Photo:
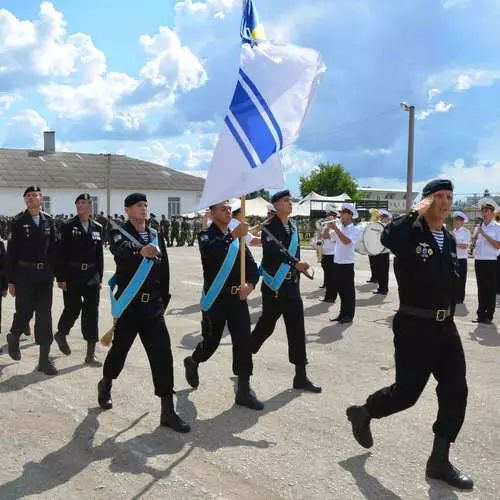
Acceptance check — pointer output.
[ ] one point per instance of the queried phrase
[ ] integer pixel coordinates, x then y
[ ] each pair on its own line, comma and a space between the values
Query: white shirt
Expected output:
344, 254
462, 237
484, 249
329, 244
234, 224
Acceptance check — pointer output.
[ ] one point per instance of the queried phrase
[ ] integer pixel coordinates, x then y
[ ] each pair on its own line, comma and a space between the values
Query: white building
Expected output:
394, 199
62, 176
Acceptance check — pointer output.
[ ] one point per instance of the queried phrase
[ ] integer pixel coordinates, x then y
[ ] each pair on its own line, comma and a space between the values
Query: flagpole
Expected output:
243, 269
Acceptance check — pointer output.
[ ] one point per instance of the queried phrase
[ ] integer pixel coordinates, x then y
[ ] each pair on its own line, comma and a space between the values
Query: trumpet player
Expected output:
329, 240
462, 237
487, 239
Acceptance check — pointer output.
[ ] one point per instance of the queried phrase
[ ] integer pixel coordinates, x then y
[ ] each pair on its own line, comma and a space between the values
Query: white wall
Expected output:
63, 200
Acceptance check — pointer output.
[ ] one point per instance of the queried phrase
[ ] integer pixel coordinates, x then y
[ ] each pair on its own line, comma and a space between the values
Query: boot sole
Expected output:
454, 485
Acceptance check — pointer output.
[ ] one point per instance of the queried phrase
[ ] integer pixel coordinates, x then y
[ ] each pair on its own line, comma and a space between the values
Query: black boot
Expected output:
13, 347
104, 393
44, 363
245, 396
62, 343
439, 466
90, 358
169, 418
360, 420
300, 381
191, 369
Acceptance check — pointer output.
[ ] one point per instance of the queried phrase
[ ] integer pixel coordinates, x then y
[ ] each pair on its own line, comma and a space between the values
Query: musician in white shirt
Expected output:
329, 239
347, 237
487, 238
462, 237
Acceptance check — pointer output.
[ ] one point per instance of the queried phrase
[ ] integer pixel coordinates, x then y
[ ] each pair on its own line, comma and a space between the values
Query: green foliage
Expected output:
263, 192
329, 179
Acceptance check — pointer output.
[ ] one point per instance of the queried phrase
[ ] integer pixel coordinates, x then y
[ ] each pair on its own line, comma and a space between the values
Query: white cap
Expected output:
271, 208
483, 202
330, 207
385, 213
351, 208
235, 205
461, 214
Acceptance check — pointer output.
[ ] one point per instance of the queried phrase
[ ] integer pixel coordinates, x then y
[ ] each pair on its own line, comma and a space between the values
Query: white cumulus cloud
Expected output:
26, 130
439, 107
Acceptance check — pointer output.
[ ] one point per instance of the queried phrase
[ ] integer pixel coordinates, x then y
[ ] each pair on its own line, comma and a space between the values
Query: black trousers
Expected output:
232, 311
498, 275
292, 310
373, 276
381, 270
34, 298
462, 279
424, 347
486, 277
329, 272
156, 341
84, 299
344, 280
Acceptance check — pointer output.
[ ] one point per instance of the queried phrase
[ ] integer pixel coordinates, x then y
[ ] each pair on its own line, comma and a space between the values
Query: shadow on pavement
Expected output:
486, 335
19, 382
375, 299
461, 310
369, 486
317, 309
176, 311
440, 491
328, 334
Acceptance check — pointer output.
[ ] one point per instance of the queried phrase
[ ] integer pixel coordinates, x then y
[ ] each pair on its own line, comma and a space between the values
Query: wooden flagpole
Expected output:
243, 269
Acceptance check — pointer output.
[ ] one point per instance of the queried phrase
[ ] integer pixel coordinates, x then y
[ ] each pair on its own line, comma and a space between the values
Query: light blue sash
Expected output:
209, 298
275, 282
119, 305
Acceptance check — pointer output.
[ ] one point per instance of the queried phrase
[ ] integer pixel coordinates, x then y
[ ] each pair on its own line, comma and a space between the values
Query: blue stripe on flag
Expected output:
253, 125
237, 137
264, 104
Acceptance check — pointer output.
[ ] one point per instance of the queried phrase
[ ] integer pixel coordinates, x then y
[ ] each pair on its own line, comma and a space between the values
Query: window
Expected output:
174, 207
95, 205
46, 204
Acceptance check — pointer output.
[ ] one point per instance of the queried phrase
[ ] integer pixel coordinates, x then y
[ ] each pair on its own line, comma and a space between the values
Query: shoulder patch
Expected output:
117, 237
98, 224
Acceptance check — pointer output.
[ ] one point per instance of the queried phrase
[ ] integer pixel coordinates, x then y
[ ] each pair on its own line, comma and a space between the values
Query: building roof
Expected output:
383, 190
21, 167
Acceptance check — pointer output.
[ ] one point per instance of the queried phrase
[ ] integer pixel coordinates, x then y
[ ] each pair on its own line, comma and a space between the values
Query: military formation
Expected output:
428, 266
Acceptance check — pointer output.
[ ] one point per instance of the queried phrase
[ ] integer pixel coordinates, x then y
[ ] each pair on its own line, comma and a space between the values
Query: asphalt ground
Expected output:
57, 444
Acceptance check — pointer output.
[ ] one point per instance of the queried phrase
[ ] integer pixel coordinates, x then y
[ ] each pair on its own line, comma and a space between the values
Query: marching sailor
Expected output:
31, 255
143, 280
426, 339
487, 239
224, 301
79, 275
280, 269
462, 237
381, 261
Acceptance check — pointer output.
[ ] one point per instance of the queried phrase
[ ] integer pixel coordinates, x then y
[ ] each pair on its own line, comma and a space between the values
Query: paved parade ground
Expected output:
57, 444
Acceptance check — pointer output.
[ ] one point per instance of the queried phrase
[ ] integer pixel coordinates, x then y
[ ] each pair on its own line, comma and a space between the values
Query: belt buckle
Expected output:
40, 266
145, 298
441, 315
235, 290
84, 267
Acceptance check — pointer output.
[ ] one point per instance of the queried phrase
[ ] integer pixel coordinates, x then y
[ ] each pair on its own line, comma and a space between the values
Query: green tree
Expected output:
263, 192
329, 179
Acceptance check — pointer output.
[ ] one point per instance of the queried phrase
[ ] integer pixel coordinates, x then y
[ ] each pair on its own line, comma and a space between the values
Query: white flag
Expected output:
275, 88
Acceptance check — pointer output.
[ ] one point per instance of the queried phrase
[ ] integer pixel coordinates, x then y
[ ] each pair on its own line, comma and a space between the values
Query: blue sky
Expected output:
153, 80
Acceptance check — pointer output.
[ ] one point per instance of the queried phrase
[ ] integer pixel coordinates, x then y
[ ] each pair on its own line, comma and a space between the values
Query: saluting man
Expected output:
31, 254
143, 281
225, 302
426, 339
280, 269
462, 237
79, 275
347, 237
487, 245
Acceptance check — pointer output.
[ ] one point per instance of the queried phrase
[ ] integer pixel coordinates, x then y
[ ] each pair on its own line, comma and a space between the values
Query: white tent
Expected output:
315, 201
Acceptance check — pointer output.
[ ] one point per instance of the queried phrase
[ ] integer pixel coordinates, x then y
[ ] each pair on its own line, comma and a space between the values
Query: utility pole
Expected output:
108, 184
411, 146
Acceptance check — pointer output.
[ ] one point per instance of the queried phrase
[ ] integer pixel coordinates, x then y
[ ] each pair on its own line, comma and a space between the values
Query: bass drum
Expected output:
360, 245
371, 238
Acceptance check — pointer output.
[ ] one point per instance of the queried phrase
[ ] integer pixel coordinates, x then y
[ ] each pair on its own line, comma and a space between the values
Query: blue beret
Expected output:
280, 194
437, 185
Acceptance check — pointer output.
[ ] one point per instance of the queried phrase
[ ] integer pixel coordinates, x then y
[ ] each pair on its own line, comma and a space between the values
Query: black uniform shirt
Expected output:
427, 277
31, 244
214, 245
274, 256
3, 279
80, 259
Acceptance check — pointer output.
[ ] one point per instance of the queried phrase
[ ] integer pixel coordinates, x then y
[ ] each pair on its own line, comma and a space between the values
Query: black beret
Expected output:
134, 198
437, 185
32, 189
83, 196
280, 194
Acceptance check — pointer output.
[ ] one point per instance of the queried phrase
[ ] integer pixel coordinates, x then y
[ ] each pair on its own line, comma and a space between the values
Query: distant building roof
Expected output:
21, 167
383, 190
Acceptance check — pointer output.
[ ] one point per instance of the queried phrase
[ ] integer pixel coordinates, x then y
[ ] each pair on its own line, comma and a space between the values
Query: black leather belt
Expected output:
438, 315
28, 264
83, 266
